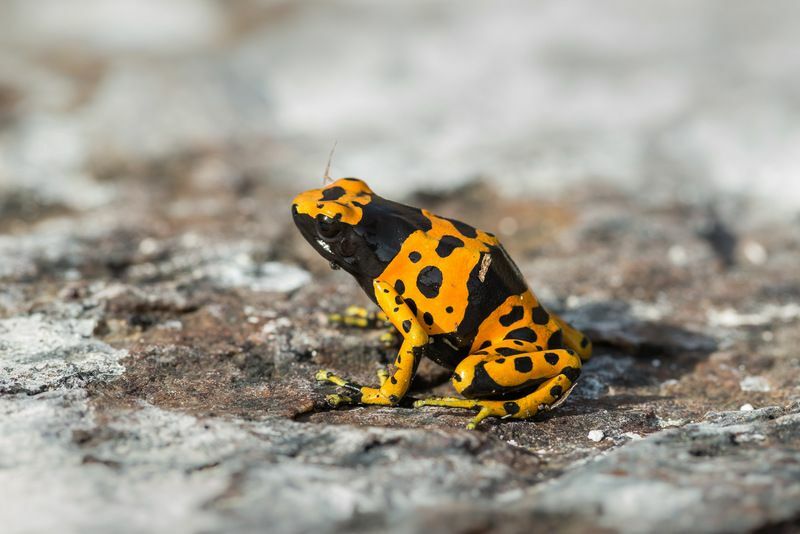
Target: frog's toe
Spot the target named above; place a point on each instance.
(336, 400)
(323, 375)
(486, 408)
(383, 376)
(449, 402)
(486, 411)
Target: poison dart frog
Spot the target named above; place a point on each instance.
(454, 296)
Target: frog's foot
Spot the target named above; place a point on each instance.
(486, 408)
(355, 393)
(390, 338)
(335, 400)
(359, 317)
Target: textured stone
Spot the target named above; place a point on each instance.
(38, 353)
(161, 319)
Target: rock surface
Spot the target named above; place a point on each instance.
(161, 320)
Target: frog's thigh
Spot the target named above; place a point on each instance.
(487, 376)
(552, 373)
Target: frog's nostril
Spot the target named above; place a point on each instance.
(294, 209)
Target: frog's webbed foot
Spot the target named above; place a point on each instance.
(359, 317)
(486, 408)
(337, 399)
(354, 393)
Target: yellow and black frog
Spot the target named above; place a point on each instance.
(454, 296)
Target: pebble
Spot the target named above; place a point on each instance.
(596, 435)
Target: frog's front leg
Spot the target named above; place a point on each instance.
(395, 386)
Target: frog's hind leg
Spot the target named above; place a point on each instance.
(574, 338)
(542, 379)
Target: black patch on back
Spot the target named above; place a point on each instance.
(556, 340)
(406, 326)
(333, 193)
(429, 281)
(551, 358)
(399, 286)
(523, 364)
(464, 228)
(511, 407)
(508, 351)
(428, 318)
(512, 316)
(485, 344)
(540, 315)
(449, 309)
(502, 280)
(414, 256)
(524, 334)
(447, 244)
(381, 242)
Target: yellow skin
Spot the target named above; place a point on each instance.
(453, 295)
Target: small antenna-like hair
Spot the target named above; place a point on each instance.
(326, 178)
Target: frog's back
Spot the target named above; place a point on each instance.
(453, 277)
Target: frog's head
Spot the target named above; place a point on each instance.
(332, 219)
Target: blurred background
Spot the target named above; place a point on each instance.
(161, 319)
(683, 98)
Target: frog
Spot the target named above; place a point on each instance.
(453, 295)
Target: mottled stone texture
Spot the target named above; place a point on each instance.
(161, 320)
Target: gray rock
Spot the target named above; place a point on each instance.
(737, 472)
(38, 353)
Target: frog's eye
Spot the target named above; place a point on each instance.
(328, 228)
